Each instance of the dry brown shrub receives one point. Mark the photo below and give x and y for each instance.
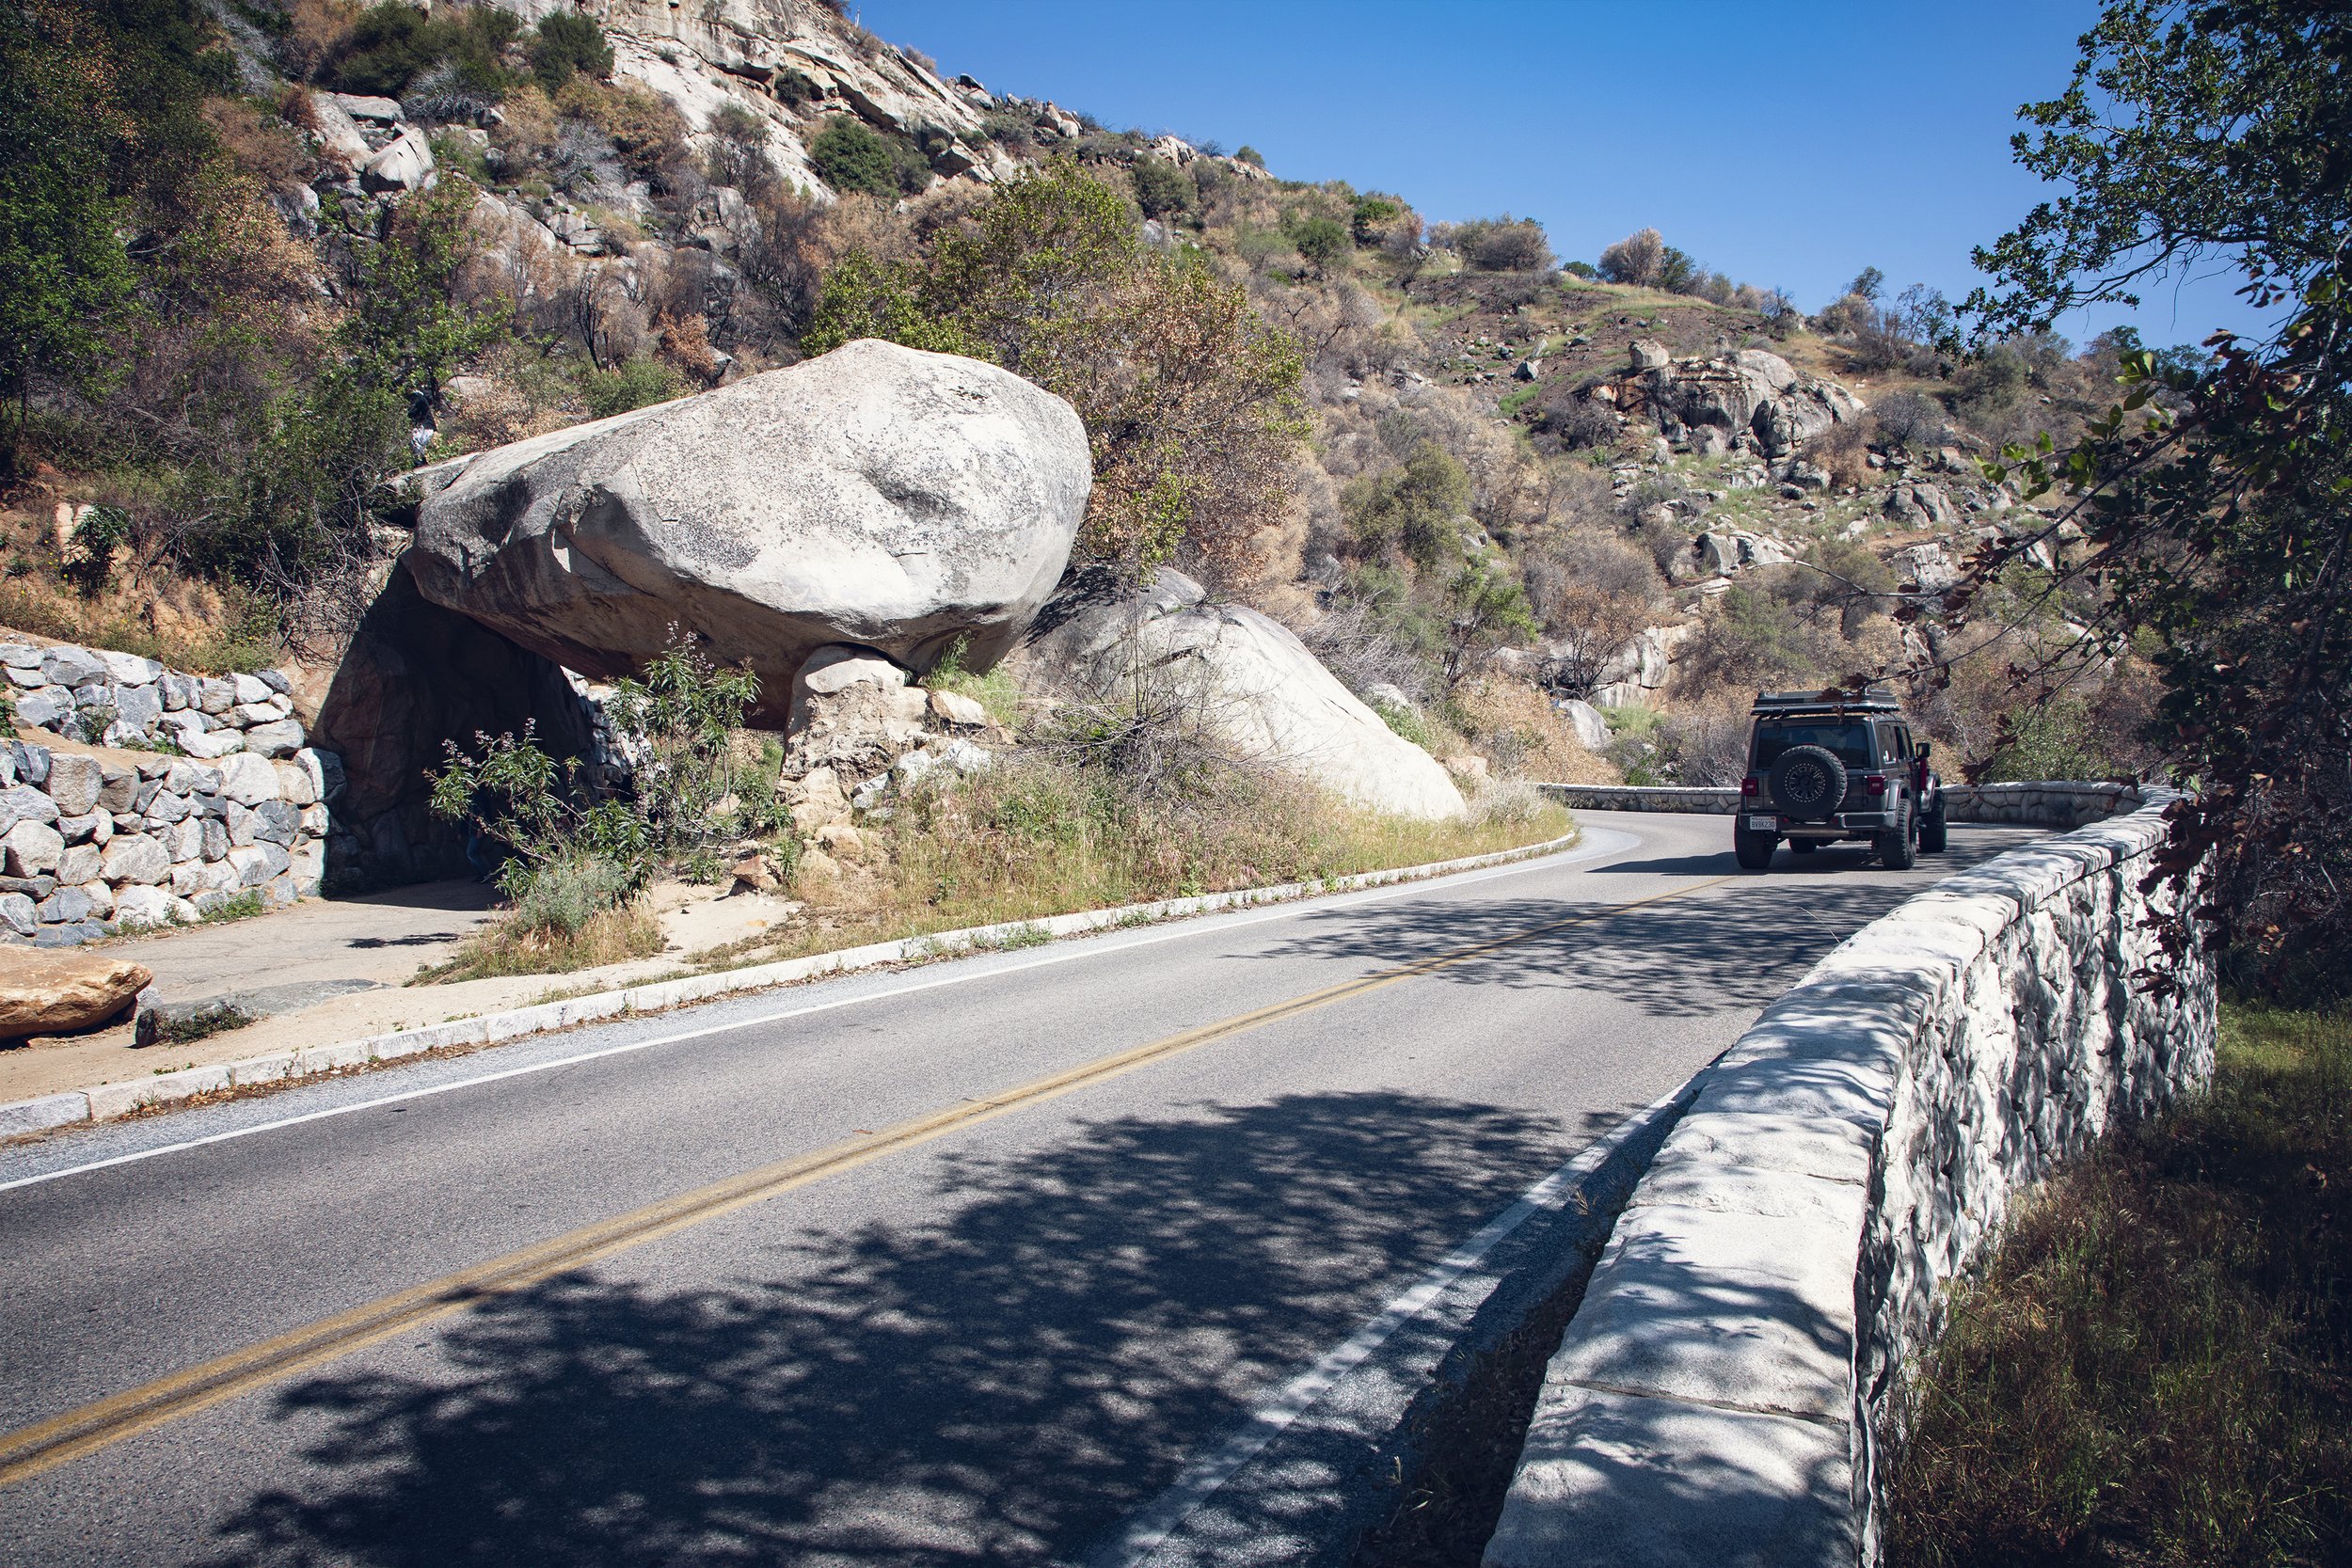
(528, 129)
(648, 132)
(314, 34)
(610, 936)
(268, 152)
(1843, 451)
(686, 343)
(1524, 736)
(1594, 594)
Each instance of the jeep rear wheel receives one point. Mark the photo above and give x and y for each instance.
(1754, 850)
(1899, 846)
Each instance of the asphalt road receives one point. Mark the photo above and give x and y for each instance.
(960, 1340)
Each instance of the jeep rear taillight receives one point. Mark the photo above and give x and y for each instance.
(1878, 786)
(1747, 786)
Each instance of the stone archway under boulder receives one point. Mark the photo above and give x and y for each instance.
(414, 677)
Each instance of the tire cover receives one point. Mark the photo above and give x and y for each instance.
(1808, 783)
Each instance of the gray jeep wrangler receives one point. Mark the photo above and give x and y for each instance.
(1827, 765)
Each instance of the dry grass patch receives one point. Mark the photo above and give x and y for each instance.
(518, 946)
(2158, 1366)
(1516, 725)
(1033, 838)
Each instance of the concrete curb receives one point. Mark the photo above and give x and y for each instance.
(1721, 1394)
(106, 1101)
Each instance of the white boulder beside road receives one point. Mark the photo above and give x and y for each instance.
(877, 496)
(1254, 681)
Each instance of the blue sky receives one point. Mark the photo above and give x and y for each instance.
(1787, 145)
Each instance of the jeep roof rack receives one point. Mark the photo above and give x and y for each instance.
(1873, 699)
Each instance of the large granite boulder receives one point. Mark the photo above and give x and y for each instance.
(1272, 700)
(877, 496)
(1751, 399)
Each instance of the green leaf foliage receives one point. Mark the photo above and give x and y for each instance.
(1416, 508)
(2188, 130)
(849, 155)
(391, 44)
(2219, 515)
(1162, 189)
(68, 281)
(567, 45)
(688, 788)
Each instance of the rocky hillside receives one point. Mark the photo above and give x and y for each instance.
(1546, 520)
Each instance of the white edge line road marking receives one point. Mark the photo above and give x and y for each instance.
(1150, 1530)
(1212, 926)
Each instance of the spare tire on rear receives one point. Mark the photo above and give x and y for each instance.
(1808, 783)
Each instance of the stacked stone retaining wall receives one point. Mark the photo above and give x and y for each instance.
(198, 791)
(1722, 1393)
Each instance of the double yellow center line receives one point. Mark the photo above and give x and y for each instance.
(32, 1449)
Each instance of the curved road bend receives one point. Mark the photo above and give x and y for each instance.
(1025, 1232)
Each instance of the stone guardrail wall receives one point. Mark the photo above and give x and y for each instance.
(2047, 804)
(1722, 1394)
(165, 797)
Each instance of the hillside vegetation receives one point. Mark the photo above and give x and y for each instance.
(1551, 518)
(1380, 429)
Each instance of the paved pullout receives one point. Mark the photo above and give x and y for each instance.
(997, 1336)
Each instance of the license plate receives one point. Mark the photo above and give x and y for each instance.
(1761, 824)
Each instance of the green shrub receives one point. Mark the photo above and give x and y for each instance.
(684, 715)
(562, 896)
(394, 43)
(1190, 398)
(569, 44)
(634, 383)
(104, 529)
(1162, 189)
(1373, 213)
(849, 156)
(241, 906)
(1408, 724)
(2054, 739)
(1262, 248)
(1322, 242)
(1416, 507)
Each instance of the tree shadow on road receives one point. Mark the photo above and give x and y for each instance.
(1003, 1383)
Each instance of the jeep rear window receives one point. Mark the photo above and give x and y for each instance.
(1851, 742)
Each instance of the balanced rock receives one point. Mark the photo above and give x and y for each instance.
(53, 992)
(1270, 700)
(877, 495)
